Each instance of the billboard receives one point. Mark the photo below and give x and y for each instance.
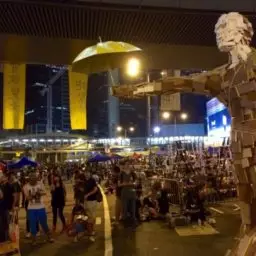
(218, 119)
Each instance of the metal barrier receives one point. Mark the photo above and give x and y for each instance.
(177, 192)
(172, 187)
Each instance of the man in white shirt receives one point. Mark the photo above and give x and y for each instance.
(34, 191)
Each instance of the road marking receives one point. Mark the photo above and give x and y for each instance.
(107, 226)
(98, 221)
(237, 207)
(216, 210)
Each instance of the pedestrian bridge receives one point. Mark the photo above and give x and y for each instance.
(173, 33)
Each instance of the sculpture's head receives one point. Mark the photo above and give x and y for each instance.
(234, 33)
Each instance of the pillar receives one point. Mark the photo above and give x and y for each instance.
(113, 104)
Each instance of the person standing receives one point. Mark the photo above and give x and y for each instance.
(128, 193)
(34, 191)
(118, 204)
(90, 203)
(58, 193)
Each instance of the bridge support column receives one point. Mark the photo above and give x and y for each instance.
(113, 104)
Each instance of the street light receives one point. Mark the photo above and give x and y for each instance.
(133, 67)
(184, 116)
(130, 129)
(166, 115)
(156, 129)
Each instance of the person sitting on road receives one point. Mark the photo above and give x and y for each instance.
(78, 221)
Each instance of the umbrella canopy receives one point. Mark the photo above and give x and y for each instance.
(21, 163)
(105, 56)
(99, 158)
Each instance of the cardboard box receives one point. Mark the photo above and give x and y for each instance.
(236, 147)
(247, 152)
(246, 88)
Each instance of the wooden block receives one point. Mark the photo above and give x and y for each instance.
(247, 152)
(237, 156)
(252, 172)
(251, 96)
(245, 162)
(246, 103)
(241, 174)
(246, 88)
(198, 87)
(244, 193)
(232, 93)
(236, 147)
(248, 140)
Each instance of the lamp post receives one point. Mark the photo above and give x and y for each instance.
(133, 69)
(167, 115)
(119, 129)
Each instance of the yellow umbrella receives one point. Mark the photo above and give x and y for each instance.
(105, 56)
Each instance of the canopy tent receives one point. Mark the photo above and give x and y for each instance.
(24, 161)
(99, 158)
(116, 157)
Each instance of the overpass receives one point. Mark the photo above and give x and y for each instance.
(175, 34)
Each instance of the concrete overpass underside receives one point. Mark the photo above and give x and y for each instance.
(54, 32)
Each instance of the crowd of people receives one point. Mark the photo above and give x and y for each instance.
(27, 188)
(197, 177)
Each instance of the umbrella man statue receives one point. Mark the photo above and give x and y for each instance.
(234, 84)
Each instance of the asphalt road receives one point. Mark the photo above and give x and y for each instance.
(149, 239)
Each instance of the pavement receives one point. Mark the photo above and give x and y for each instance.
(149, 239)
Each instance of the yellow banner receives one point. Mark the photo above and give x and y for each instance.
(78, 83)
(14, 96)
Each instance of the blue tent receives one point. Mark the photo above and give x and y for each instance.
(24, 161)
(117, 157)
(99, 158)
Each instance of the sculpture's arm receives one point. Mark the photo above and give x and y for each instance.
(205, 83)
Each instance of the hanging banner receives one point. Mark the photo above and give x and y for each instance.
(78, 83)
(170, 102)
(14, 96)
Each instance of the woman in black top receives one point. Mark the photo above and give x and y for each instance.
(58, 201)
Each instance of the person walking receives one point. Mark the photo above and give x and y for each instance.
(34, 191)
(58, 193)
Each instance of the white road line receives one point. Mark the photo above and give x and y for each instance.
(216, 210)
(237, 207)
(98, 221)
(107, 226)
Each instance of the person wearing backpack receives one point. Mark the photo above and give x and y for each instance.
(128, 193)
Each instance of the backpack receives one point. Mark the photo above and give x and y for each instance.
(99, 196)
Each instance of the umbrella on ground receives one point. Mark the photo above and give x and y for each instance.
(99, 158)
(24, 161)
(105, 56)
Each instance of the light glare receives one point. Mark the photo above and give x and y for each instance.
(133, 67)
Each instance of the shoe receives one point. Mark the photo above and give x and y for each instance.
(75, 239)
(50, 240)
(92, 239)
(28, 235)
(38, 234)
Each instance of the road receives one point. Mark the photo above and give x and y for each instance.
(149, 239)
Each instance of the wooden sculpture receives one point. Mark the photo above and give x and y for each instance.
(234, 84)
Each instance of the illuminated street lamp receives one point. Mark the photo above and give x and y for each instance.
(156, 129)
(184, 116)
(133, 67)
(166, 115)
(119, 128)
(130, 129)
